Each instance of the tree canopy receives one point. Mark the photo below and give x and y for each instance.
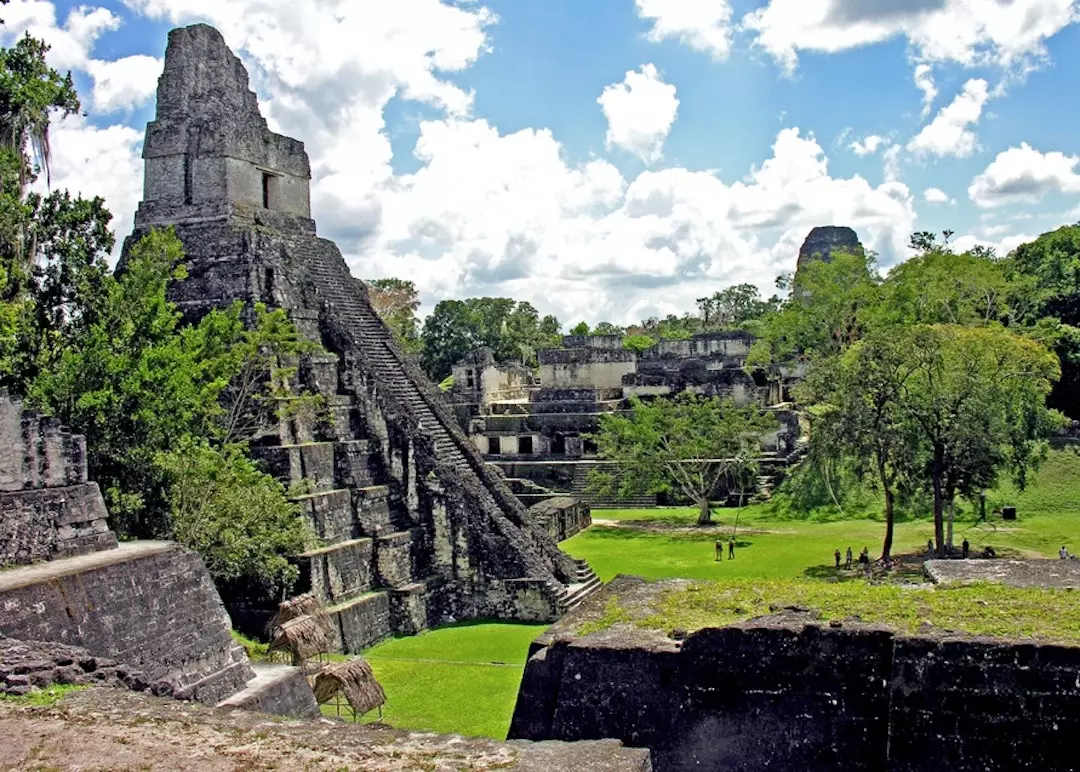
(688, 445)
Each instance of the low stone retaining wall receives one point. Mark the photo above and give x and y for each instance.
(788, 693)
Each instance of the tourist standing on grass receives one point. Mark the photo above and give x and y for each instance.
(719, 550)
(1063, 553)
(731, 548)
(964, 549)
(836, 554)
(847, 559)
(930, 546)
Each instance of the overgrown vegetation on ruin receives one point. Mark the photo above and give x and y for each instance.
(167, 409)
(1036, 614)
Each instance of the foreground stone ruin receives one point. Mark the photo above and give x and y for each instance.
(149, 608)
(791, 693)
(415, 528)
(120, 731)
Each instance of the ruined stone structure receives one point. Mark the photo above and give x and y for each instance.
(823, 241)
(148, 605)
(48, 509)
(415, 528)
(790, 693)
(535, 430)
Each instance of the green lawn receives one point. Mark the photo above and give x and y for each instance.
(461, 679)
(464, 678)
(667, 544)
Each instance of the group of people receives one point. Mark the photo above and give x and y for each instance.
(730, 549)
(864, 559)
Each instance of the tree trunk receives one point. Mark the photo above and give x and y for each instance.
(952, 510)
(939, 499)
(706, 513)
(886, 548)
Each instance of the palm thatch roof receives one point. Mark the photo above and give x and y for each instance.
(300, 606)
(303, 637)
(355, 680)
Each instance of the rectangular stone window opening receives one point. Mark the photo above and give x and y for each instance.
(525, 446)
(558, 444)
(470, 381)
(495, 446)
(267, 185)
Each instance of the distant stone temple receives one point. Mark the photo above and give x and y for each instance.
(150, 606)
(415, 529)
(534, 428)
(823, 241)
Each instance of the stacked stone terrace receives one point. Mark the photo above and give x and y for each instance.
(150, 606)
(535, 429)
(48, 508)
(414, 528)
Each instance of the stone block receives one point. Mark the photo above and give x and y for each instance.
(330, 514)
(394, 559)
(362, 622)
(409, 609)
(338, 572)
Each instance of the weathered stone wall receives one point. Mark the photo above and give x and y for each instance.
(585, 367)
(150, 605)
(562, 516)
(47, 508)
(791, 694)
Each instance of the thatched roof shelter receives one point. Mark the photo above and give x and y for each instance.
(293, 608)
(355, 680)
(303, 637)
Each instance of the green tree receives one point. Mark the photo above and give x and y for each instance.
(1051, 267)
(581, 328)
(977, 397)
(396, 301)
(30, 91)
(856, 416)
(512, 330)
(607, 328)
(234, 515)
(835, 303)
(686, 445)
(638, 343)
(136, 383)
(732, 307)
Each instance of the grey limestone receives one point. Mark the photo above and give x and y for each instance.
(386, 461)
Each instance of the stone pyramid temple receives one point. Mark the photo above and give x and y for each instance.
(414, 528)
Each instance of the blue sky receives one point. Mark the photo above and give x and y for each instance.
(617, 158)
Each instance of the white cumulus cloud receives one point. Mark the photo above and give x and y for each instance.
(640, 112)
(125, 83)
(868, 145)
(704, 25)
(967, 32)
(1024, 175)
(950, 134)
(937, 196)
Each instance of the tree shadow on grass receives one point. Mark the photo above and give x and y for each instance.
(907, 569)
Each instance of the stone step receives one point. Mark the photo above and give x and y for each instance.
(281, 690)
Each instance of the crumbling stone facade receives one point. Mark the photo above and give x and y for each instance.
(149, 606)
(537, 433)
(791, 693)
(415, 529)
(48, 509)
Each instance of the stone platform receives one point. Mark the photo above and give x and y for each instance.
(152, 607)
(1015, 573)
(119, 730)
(791, 692)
